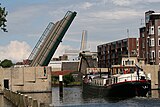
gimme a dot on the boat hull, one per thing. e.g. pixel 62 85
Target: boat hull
pixel 123 89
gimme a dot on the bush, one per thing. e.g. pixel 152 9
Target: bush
pixel 68 79
pixel 6 63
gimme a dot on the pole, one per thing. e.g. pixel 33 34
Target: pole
pixel 61 86
pixel 128 43
pixel 100 73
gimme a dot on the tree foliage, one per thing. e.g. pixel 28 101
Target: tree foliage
pixel 6 63
pixel 3 20
pixel 68 79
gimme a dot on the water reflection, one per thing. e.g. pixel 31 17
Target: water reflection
pixel 72 96
pixel 87 97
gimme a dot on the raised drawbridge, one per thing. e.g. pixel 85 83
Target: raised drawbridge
pixel 49 41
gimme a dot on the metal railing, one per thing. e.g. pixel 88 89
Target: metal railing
pixel 40 41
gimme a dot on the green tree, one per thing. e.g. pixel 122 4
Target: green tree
pixel 3 20
pixel 68 79
pixel 6 63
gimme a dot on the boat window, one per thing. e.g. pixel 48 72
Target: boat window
pixel 107 82
pixel 110 81
pixel 132 70
pixel 142 78
pixel 116 79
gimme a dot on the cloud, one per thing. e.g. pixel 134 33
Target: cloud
pixel 18 51
pixel 80 6
pixel 15 51
pixel 153 1
pixel 101 18
pixel 61 50
pixel 25 13
pixel 132 2
pixel 24 19
pixel 73 40
pixel 128 2
pixel 121 2
pixel 121 14
pixel 86 5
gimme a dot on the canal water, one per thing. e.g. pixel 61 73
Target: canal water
pixel 73 97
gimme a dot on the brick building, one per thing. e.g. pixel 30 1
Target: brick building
pixel 149 41
pixel 112 53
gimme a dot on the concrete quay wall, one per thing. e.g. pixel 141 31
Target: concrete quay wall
pixel 152 70
pixel 26 79
pixel 20 100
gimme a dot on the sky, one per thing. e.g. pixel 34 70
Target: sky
pixel 104 20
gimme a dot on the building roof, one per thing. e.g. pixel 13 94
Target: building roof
pixel 57 73
pixel 114 42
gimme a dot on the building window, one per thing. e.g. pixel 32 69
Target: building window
pixel 152 54
pixel 143 45
pixel 158 41
pixel 151 43
pixel 147 18
pixel 159 53
pixel 158 30
pixel 151 30
pixel 143 35
pixel 128 62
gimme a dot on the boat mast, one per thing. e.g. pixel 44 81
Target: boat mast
pixel 100 73
pixel 128 45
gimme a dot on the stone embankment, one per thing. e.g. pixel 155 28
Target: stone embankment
pixel 21 100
